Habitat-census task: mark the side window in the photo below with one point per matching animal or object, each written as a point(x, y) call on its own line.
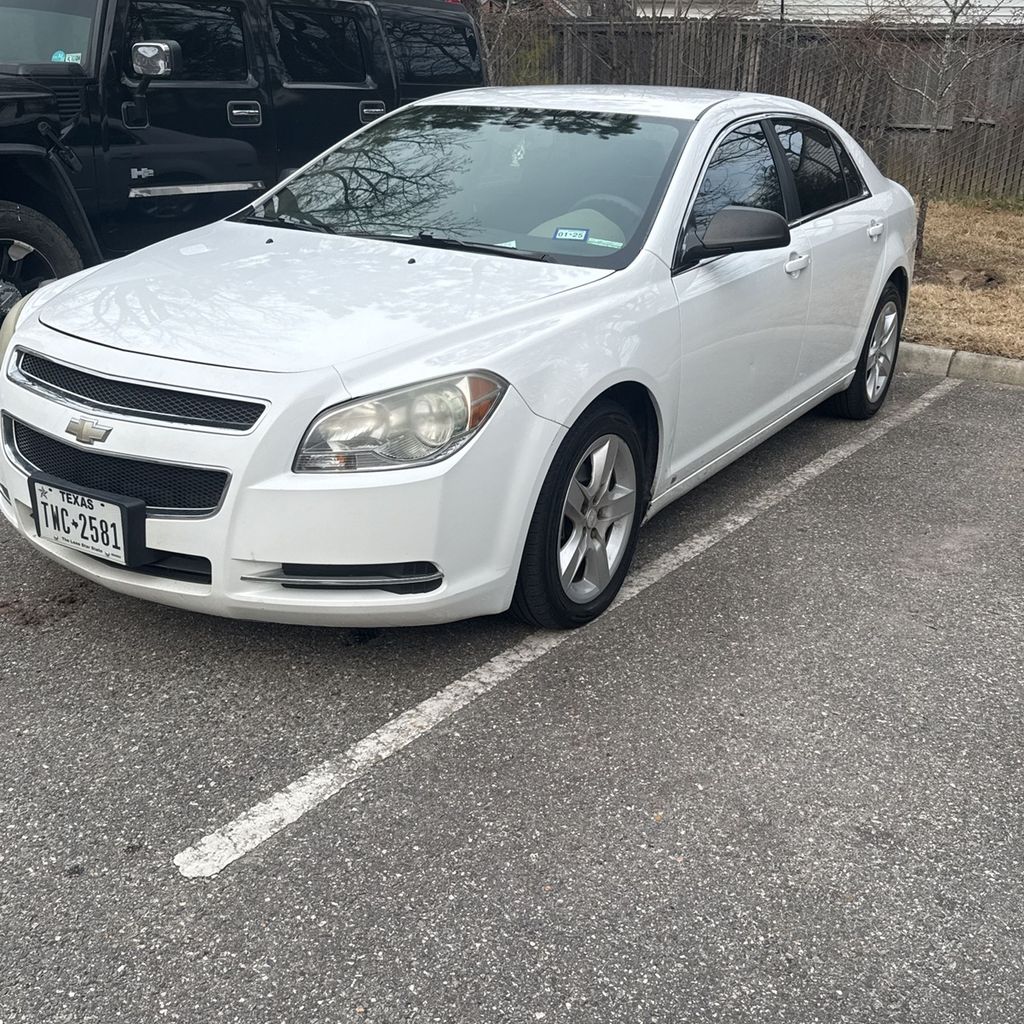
point(441, 51)
point(318, 44)
point(855, 186)
point(210, 35)
point(741, 173)
point(819, 178)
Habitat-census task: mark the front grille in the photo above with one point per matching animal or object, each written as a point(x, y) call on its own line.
point(142, 400)
point(172, 490)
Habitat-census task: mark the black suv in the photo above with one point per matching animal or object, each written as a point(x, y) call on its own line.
point(125, 121)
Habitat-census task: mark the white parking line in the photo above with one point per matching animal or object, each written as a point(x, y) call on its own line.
point(216, 851)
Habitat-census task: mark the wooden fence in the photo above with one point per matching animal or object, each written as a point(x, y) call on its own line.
point(875, 82)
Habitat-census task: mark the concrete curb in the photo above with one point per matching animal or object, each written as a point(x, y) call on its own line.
point(946, 362)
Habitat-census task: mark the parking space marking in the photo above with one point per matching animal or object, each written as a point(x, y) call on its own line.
point(216, 851)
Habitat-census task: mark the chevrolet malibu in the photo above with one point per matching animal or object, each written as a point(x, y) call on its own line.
point(449, 367)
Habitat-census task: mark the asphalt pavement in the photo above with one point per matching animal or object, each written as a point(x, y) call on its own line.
point(783, 782)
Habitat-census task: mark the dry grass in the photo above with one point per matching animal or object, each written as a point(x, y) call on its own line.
point(969, 286)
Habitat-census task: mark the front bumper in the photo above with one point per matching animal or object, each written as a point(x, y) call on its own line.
point(467, 515)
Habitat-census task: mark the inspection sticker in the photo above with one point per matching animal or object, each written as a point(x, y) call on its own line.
point(571, 234)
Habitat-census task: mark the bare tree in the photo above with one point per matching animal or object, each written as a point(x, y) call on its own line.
point(949, 38)
point(921, 83)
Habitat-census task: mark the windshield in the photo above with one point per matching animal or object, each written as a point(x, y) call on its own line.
point(567, 186)
point(46, 31)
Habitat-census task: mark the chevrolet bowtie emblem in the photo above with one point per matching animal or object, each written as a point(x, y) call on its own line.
point(87, 431)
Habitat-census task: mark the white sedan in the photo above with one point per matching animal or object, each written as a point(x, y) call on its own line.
point(449, 367)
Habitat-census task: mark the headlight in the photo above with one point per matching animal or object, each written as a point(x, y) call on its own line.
point(410, 427)
point(10, 322)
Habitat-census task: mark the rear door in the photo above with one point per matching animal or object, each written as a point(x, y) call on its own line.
point(206, 145)
point(434, 50)
point(330, 73)
point(843, 225)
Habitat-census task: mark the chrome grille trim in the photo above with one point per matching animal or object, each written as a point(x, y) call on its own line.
point(395, 577)
point(342, 582)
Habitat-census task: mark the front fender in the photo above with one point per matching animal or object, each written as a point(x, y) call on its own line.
point(624, 330)
point(44, 169)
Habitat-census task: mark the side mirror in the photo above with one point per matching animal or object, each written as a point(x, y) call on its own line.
point(160, 58)
point(736, 229)
point(157, 59)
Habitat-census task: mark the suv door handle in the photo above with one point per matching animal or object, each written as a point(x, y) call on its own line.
point(245, 113)
point(370, 110)
point(875, 229)
point(796, 263)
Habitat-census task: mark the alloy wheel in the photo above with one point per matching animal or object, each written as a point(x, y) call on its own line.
point(22, 269)
point(597, 518)
point(881, 351)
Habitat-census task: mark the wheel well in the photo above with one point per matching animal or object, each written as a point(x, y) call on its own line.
point(637, 401)
point(899, 278)
point(30, 182)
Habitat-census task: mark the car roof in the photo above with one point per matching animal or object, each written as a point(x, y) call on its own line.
point(659, 101)
point(421, 6)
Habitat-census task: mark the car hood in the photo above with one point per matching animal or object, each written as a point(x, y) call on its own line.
point(280, 300)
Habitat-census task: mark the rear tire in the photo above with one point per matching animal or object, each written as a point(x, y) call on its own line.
point(32, 250)
point(877, 364)
point(584, 528)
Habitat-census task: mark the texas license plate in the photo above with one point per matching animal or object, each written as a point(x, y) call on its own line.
point(81, 521)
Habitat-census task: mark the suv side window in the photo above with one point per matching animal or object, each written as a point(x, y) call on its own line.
point(318, 44)
point(433, 51)
point(820, 182)
point(210, 35)
point(741, 173)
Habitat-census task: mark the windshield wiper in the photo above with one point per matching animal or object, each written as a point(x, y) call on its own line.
point(447, 242)
point(305, 224)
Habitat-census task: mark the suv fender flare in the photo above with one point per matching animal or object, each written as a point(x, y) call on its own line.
point(52, 173)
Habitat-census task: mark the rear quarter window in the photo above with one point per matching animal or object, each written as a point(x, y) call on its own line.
point(854, 182)
point(439, 51)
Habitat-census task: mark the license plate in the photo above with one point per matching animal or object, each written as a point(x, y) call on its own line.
point(81, 521)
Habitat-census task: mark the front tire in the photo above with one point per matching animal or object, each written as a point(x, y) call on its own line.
point(584, 529)
point(32, 250)
point(877, 364)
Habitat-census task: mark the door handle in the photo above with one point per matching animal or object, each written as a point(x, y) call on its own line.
point(370, 110)
point(245, 113)
point(875, 229)
point(796, 263)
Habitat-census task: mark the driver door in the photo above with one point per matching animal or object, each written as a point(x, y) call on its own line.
point(742, 316)
point(205, 146)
